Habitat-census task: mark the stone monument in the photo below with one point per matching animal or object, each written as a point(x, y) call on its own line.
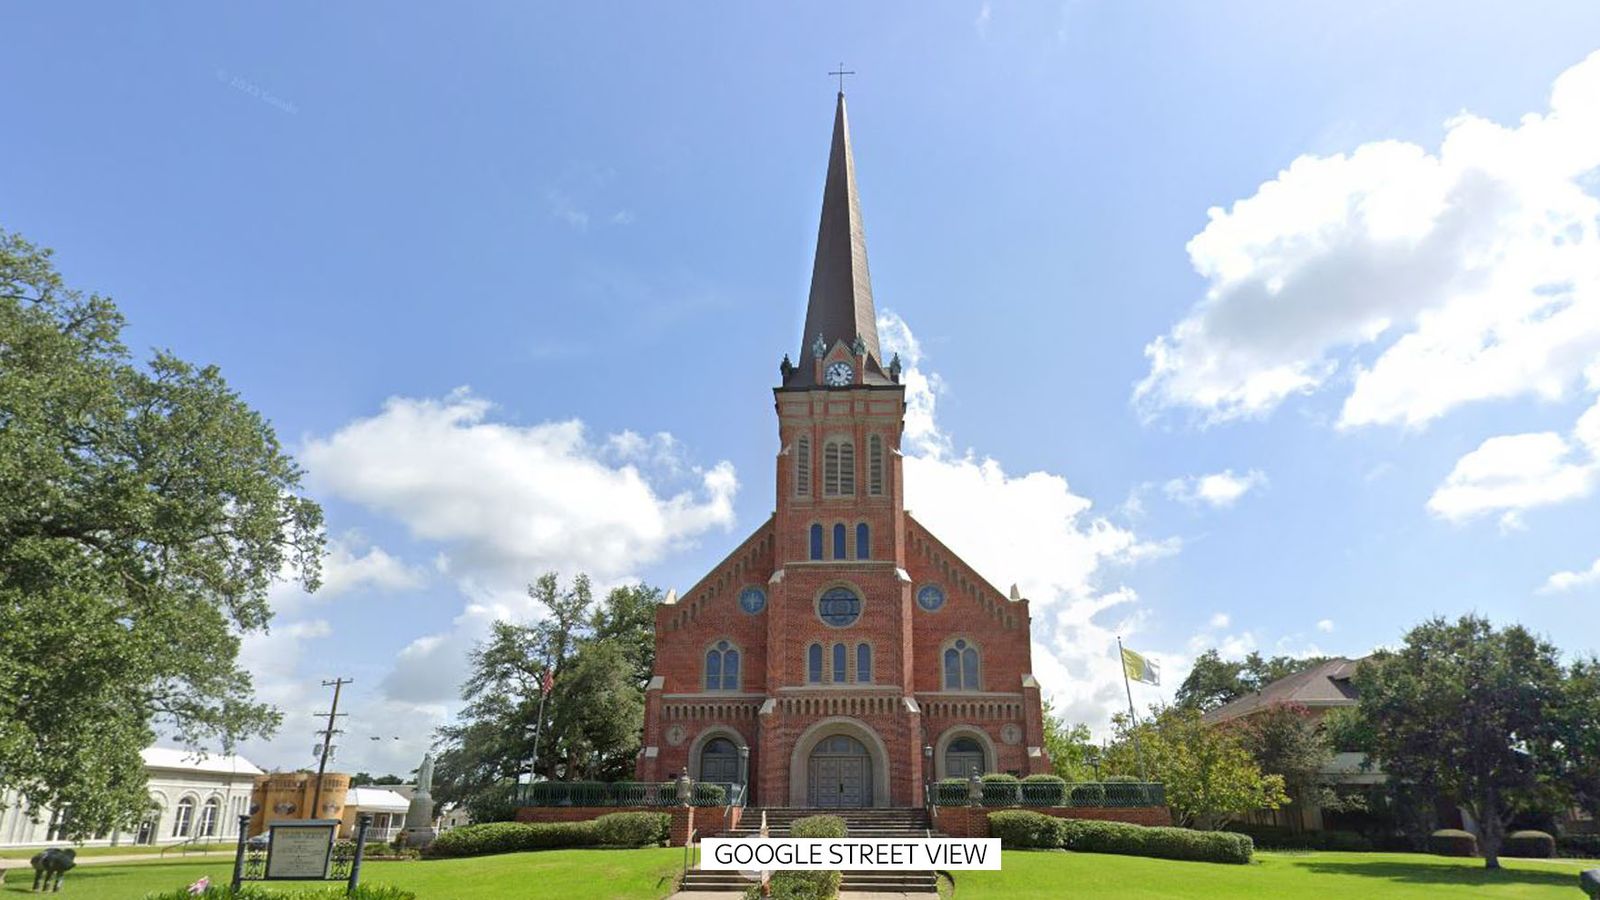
point(419, 831)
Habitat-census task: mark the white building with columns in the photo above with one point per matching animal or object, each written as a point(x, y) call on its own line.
point(193, 796)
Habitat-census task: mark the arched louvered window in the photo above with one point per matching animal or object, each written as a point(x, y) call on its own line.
point(816, 541)
point(961, 666)
point(814, 664)
point(864, 663)
point(722, 667)
point(838, 468)
point(838, 540)
point(839, 660)
point(875, 465)
point(802, 466)
point(863, 541)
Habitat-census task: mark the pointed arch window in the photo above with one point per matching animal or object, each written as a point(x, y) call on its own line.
point(864, 663)
point(961, 666)
point(875, 465)
point(722, 667)
point(839, 661)
point(814, 664)
point(802, 466)
point(816, 541)
point(863, 541)
point(838, 540)
point(839, 468)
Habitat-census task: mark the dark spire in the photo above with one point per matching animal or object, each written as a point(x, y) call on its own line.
point(840, 307)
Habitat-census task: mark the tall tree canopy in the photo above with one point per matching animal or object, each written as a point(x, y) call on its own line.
point(1071, 748)
point(601, 657)
point(1215, 681)
point(144, 511)
point(1475, 713)
point(1210, 777)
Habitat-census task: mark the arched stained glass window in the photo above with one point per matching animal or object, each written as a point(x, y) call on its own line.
point(863, 541)
point(839, 660)
point(838, 540)
point(864, 663)
point(961, 666)
point(816, 541)
point(814, 664)
point(722, 667)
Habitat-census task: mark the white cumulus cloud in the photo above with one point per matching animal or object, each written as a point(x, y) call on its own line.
point(1034, 531)
point(1570, 581)
point(1218, 490)
point(1512, 473)
point(1421, 279)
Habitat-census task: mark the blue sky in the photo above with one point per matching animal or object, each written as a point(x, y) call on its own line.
point(514, 282)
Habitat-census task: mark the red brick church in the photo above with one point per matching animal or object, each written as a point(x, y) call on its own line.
point(853, 653)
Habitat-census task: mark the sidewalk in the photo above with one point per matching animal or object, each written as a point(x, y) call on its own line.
point(122, 858)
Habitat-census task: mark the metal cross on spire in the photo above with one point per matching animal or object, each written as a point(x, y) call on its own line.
point(842, 73)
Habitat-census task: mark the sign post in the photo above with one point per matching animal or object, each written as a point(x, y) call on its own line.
point(301, 850)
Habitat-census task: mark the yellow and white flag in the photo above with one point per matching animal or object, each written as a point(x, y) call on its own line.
point(1140, 669)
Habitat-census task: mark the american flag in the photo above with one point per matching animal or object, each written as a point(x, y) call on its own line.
point(547, 683)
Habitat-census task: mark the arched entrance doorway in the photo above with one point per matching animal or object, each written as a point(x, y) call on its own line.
point(963, 758)
point(839, 774)
point(719, 762)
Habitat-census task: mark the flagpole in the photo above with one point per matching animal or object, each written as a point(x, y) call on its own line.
point(1133, 714)
point(538, 722)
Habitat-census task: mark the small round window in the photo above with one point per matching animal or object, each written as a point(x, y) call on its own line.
point(839, 607)
point(752, 600)
point(931, 597)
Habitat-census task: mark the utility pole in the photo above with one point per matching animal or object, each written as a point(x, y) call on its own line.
point(333, 715)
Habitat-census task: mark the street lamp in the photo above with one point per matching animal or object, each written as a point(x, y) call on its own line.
point(744, 771)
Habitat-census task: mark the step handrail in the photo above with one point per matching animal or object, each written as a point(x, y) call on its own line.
point(689, 843)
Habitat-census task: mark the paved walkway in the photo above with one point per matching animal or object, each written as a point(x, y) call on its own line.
point(121, 858)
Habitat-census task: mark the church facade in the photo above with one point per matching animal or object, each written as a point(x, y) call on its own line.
point(842, 655)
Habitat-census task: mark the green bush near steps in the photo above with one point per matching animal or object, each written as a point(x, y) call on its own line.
point(1019, 829)
point(806, 885)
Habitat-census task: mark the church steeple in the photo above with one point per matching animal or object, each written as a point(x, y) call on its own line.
point(840, 307)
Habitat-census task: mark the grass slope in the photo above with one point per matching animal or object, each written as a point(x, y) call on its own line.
point(1322, 875)
point(597, 874)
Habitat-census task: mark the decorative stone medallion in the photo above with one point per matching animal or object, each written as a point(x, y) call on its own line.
point(675, 735)
point(752, 600)
point(1011, 733)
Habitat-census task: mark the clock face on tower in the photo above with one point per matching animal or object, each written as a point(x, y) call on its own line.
point(839, 374)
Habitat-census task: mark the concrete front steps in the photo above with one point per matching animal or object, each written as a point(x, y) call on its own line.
point(892, 823)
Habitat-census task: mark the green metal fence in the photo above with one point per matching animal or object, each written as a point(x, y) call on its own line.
point(1098, 794)
point(626, 794)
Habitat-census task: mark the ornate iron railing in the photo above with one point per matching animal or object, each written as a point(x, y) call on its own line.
point(1093, 794)
point(634, 794)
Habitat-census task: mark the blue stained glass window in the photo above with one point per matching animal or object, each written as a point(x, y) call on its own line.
point(816, 541)
point(838, 541)
point(838, 662)
point(752, 600)
point(930, 597)
point(864, 662)
point(863, 541)
point(839, 607)
point(713, 670)
point(722, 667)
point(814, 664)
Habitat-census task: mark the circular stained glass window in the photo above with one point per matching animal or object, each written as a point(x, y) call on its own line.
point(839, 607)
point(752, 600)
point(931, 597)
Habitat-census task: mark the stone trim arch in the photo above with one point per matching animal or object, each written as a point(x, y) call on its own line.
point(877, 753)
point(991, 761)
point(706, 736)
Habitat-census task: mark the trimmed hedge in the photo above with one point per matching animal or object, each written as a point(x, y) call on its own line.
point(1022, 830)
point(1529, 845)
point(1277, 837)
point(1452, 842)
point(633, 829)
point(1579, 846)
point(1090, 836)
point(806, 885)
point(511, 837)
point(1000, 789)
point(1044, 790)
point(1088, 794)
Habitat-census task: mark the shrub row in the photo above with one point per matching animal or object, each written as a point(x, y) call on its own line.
point(806, 885)
point(1579, 846)
point(628, 829)
point(1277, 837)
point(1529, 845)
point(1452, 842)
point(1023, 829)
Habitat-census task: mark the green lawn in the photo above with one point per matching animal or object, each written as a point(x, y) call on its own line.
point(1320, 875)
point(124, 850)
point(597, 874)
point(649, 874)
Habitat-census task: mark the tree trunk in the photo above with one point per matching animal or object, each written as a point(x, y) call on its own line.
point(1491, 832)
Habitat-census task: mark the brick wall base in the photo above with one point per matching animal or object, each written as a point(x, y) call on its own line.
point(706, 821)
point(973, 821)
